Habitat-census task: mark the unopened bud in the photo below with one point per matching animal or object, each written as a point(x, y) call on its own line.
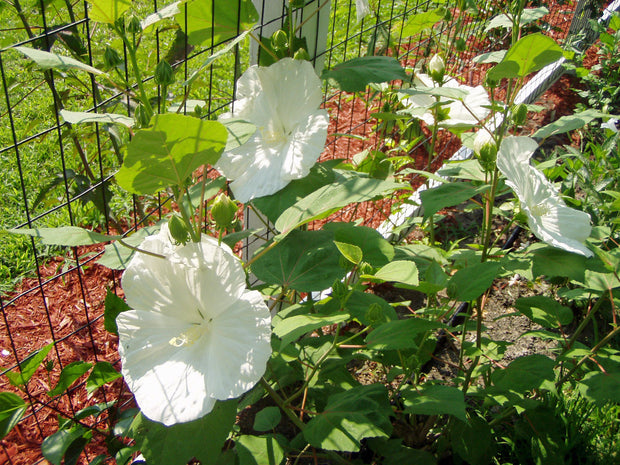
point(164, 74)
point(134, 25)
point(178, 229)
point(519, 114)
point(279, 40)
point(375, 315)
point(301, 54)
point(437, 69)
point(485, 149)
point(111, 58)
point(223, 211)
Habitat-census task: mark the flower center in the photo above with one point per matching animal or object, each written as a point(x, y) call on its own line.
point(540, 210)
point(190, 336)
point(274, 136)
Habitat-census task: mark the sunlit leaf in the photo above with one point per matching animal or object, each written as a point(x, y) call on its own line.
point(70, 236)
point(68, 376)
point(545, 311)
point(12, 408)
point(434, 399)
point(422, 21)
point(166, 12)
point(471, 282)
point(291, 328)
point(259, 450)
point(28, 366)
point(529, 54)
point(355, 74)
point(108, 11)
point(47, 60)
point(400, 334)
point(79, 117)
point(528, 15)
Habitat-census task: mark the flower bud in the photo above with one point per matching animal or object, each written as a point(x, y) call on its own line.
point(134, 25)
point(178, 229)
point(223, 211)
point(519, 114)
point(142, 116)
point(375, 315)
point(301, 54)
point(436, 69)
point(164, 74)
point(485, 149)
point(279, 40)
point(111, 58)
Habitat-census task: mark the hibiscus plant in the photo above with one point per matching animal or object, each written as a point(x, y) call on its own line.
point(291, 337)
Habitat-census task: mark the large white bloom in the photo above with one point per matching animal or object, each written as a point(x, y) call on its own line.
point(549, 218)
point(195, 334)
point(460, 114)
point(362, 9)
point(282, 100)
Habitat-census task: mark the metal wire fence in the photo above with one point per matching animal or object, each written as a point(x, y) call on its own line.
point(55, 173)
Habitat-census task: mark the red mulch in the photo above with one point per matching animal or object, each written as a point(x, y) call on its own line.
point(71, 304)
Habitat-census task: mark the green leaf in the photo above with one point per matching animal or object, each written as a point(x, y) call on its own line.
point(68, 376)
point(200, 439)
point(27, 368)
point(473, 442)
point(113, 306)
point(166, 12)
point(375, 249)
point(600, 387)
point(434, 399)
point(259, 450)
point(55, 447)
point(351, 252)
point(330, 198)
point(79, 117)
point(305, 261)
point(169, 152)
point(359, 303)
point(422, 21)
point(529, 54)
point(12, 408)
point(545, 311)
point(108, 11)
point(47, 60)
point(116, 256)
point(469, 283)
point(570, 123)
point(354, 75)
point(350, 416)
point(291, 328)
point(529, 15)
point(267, 419)
point(103, 373)
point(552, 262)
point(400, 334)
point(70, 236)
point(524, 374)
point(405, 272)
point(447, 195)
point(490, 57)
point(239, 132)
point(212, 23)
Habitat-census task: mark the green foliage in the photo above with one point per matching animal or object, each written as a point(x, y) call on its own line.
point(354, 75)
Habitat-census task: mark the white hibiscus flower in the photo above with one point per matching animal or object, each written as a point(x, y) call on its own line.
point(611, 124)
point(458, 114)
point(362, 9)
point(282, 100)
point(549, 218)
point(195, 334)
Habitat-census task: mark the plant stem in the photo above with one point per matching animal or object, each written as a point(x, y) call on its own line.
point(137, 249)
point(585, 322)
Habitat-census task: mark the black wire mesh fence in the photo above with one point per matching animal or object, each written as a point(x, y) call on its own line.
point(55, 173)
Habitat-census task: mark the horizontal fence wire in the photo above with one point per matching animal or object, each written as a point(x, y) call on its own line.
point(59, 174)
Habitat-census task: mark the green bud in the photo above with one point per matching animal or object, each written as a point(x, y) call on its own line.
point(301, 54)
point(164, 74)
point(223, 211)
point(134, 25)
point(485, 149)
point(111, 58)
point(375, 315)
point(519, 114)
point(437, 69)
point(178, 229)
point(279, 40)
point(142, 116)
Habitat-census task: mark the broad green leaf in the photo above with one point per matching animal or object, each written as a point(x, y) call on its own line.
point(394, 453)
point(116, 256)
point(351, 252)
point(291, 328)
point(200, 439)
point(529, 54)
point(434, 399)
point(22, 375)
point(524, 373)
point(400, 334)
point(231, 239)
point(55, 447)
point(474, 442)
point(471, 282)
point(551, 262)
point(267, 419)
point(212, 23)
point(12, 408)
point(422, 21)
point(570, 123)
point(354, 75)
point(239, 132)
point(103, 373)
point(169, 152)
point(113, 306)
point(529, 15)
point(305, 261)
point(490, 57)
point(448, 93)
point(330, 198)
point(108, 11)
point(600, 282)
point(468, 169)
point(375, 249)
point(350, 416)
point(68, 376)
point(600, 388)
point(259, 450)
point(447, 195)
point(166, 12)
point(79, 117)
point(359, 304)
point(47, 60)
point(545, 311)
point(94, 410)
point(405, 272)
point(70, 236)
